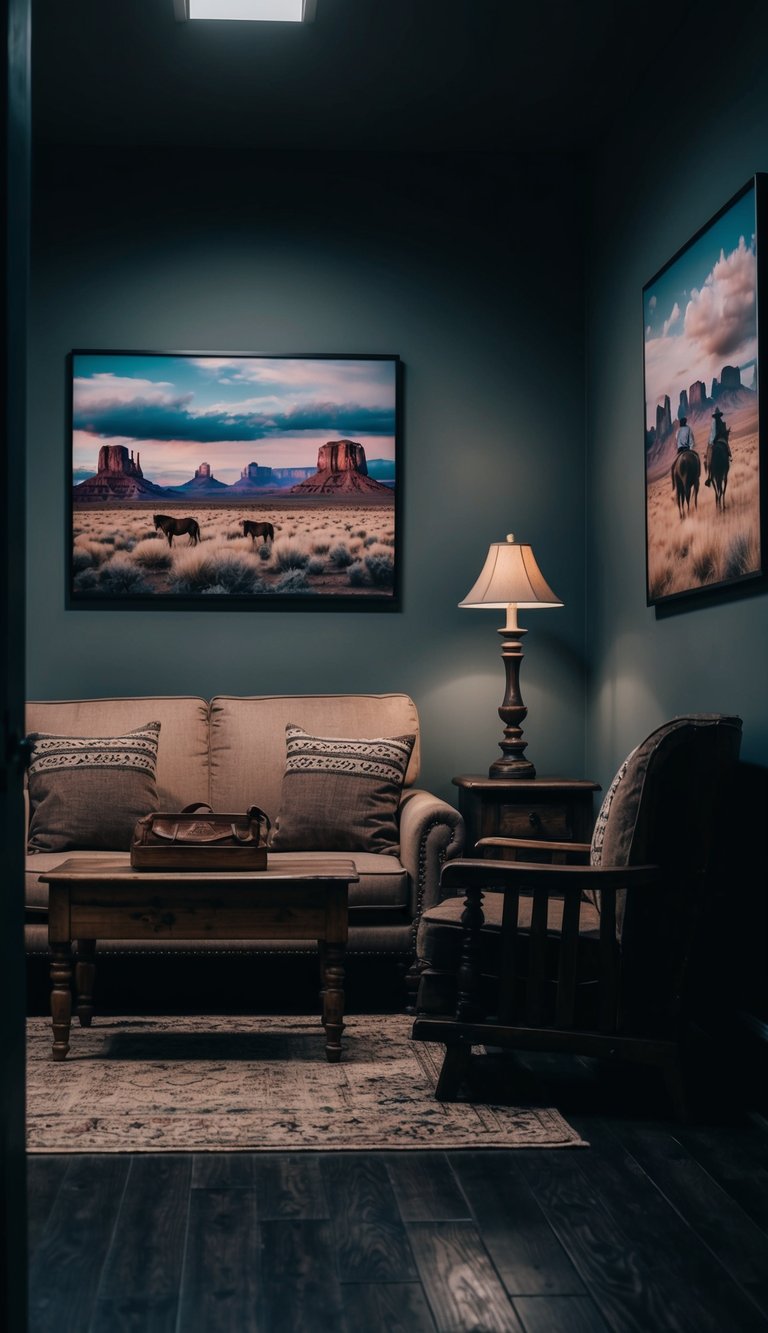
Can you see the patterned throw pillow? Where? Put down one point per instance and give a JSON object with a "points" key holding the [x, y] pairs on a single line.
{"points": [[88, 791], [598, 832], [340, 794]]}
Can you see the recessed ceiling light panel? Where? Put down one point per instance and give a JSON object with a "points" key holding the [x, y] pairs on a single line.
{"points": [[265, 11]]}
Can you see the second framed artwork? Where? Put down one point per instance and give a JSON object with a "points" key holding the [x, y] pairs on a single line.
{"points": [[704, 426], [202, 479]]}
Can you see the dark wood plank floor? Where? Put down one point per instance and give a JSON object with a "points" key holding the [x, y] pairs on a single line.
{"points": [[654, 1227]]}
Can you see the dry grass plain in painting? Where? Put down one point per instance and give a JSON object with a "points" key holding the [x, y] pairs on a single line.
{"points": [[707, 546], [334, 548]]}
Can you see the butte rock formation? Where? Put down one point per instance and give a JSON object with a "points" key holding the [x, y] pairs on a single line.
{"points": [[118, 477], [341, 470]]}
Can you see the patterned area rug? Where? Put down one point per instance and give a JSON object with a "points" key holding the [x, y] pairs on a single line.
{"points": [[227, 1084]]}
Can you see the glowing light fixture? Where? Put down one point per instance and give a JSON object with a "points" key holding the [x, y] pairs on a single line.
{"points": [[253, 11], [511, 579]]}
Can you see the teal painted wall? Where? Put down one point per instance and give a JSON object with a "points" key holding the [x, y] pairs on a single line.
{"points": [[666, 170], [464, 268]]}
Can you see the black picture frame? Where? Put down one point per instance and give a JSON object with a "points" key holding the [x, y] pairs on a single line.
{"points": [[705, 530], [306, 446]]}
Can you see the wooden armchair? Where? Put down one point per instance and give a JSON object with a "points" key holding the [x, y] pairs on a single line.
{"points": [[588, 958]]}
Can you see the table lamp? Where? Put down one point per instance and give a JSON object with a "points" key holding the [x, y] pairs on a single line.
{"points": [[510, 580]]}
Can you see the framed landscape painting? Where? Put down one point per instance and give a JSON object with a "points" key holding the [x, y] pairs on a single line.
{"points": [[704, 424], [237, 481]]}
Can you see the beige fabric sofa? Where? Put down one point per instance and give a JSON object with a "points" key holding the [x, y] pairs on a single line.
{"points": [[230, 751]]}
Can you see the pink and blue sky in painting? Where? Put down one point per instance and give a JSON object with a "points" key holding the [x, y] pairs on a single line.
{"points": [[700, 313], [178, 411]]}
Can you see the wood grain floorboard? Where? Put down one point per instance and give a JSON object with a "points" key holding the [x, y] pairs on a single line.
{"points": [[129, 1314], [299, 1290], [461, 1284], [290, 1186], [147, 1249], [525, 1250], [389, 1307], [370, 1241], [223, 1170], [65, 1273], [692, 1291], [221, 1277], [721, 1223], [559, 1314], [624, 1278], [44, 1177], [735, 1160], [425, 1187], [721, 1301]]}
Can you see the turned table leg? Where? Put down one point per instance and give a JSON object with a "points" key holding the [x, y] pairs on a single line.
{"points": [[61, 998], [333, 999], [85, 969]]}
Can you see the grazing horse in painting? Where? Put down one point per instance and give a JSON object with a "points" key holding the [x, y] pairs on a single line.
{"points": [[253, 530], [686, 475], [717, 464], [176, 527]]}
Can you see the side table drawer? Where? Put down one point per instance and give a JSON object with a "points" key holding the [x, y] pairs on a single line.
{"points": [[536, 821]]}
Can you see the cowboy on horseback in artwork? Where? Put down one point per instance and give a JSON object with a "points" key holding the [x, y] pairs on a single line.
{"points": [[718, 432], [684, 438], [686, 469]]}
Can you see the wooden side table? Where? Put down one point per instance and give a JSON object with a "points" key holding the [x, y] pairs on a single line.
{"points": [[551, 809]]}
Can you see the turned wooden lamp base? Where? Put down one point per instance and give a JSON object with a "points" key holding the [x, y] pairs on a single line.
{"points": [[513, 763], [511, 578], [512, 768]]}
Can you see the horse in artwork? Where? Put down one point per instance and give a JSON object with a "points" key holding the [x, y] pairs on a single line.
{"points": [[717, 465], [176, 527], [253, 530], [686, 476]]}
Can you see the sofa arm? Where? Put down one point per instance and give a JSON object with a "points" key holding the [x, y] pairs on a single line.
{"points": [[431, 832]]}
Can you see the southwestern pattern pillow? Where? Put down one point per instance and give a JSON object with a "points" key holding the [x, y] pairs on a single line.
{"points": [[88, 791], [340, 794], [598, 832]]}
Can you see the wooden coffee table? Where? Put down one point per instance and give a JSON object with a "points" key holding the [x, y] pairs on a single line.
{"points": [[293, 899]]}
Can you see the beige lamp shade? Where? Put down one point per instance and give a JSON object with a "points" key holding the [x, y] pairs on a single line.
{"points": [[510, 575]]}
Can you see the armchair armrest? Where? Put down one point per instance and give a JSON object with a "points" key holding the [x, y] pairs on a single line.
{"points": [[520, 849], [528, 876], [431, 833]]}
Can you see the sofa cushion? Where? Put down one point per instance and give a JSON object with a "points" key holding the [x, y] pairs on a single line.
{"points": [[340, 793], [89, 791], [248, 738], [182, 755]]}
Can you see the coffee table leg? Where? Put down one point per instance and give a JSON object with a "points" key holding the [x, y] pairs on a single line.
{"points": [[321, 948], [333, 1000], [85, 970], [61, 998]]}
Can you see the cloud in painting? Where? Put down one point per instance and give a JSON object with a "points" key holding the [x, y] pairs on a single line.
{"points": [[720, 318], [102, 390], [143, 419], [299, 374], [673, 318]]}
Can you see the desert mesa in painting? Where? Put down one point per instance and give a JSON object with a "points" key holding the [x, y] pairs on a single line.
{"points": [[703, 505], [276, 505]]}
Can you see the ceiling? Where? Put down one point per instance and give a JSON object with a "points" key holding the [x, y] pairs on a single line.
{"points": [[427, 75]]}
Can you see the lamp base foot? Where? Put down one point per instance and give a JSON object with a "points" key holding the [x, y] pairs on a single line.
{"points": [[512, 768]]}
